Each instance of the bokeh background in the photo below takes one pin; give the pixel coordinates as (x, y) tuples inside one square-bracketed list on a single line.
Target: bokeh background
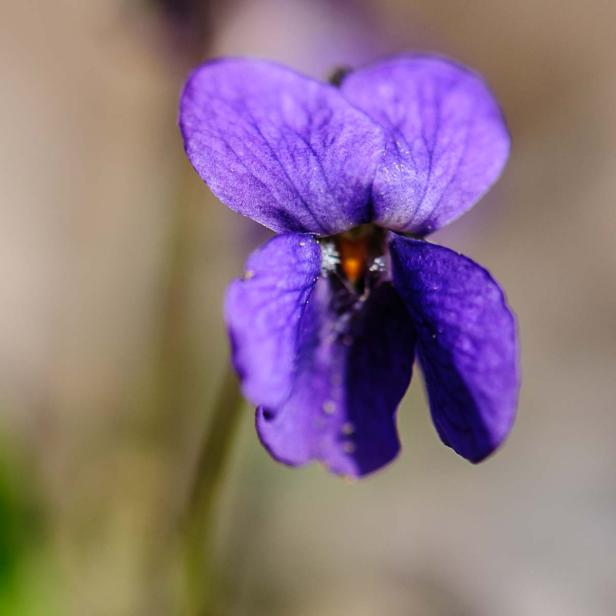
[(114, 258)]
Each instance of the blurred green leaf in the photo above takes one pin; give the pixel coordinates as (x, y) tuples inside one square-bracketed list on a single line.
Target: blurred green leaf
[(27, 572)]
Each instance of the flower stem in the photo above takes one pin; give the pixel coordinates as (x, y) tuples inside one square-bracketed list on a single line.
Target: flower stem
[(203, 497)]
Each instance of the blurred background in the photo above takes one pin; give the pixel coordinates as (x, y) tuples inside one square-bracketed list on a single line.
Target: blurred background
[(114, 258)]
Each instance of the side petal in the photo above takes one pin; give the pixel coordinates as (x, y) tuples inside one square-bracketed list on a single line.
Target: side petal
[(285, 150), (264, 310), (448, 140), (466, 342), (353, 369)]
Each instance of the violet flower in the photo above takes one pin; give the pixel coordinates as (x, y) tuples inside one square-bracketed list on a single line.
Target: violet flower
[(329, 315)]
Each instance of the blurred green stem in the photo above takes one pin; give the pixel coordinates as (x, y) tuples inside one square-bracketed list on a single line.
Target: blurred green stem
[(204, 495)]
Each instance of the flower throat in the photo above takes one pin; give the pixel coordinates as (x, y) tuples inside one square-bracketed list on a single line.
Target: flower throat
[(356, 256)]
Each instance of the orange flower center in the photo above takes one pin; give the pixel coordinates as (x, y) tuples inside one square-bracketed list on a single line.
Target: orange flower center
[(354, 256)]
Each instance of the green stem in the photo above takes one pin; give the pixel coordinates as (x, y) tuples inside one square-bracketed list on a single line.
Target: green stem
[(204, 495)]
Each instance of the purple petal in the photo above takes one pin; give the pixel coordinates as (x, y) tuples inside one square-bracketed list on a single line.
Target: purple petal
[(466, 342), (263, 312), (448, 139), (352, 371), (280, 148)]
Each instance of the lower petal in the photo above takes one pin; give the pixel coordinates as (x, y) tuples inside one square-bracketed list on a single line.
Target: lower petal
[(264, 310), (466, 341), (354, 366)]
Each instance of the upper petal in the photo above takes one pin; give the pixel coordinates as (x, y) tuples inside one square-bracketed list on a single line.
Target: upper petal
[(353, 369), (264, 310), (466, 342), (285, 150), (448, 142)]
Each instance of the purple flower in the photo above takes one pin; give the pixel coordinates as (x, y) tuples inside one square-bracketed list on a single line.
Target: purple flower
[(329, 315)]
